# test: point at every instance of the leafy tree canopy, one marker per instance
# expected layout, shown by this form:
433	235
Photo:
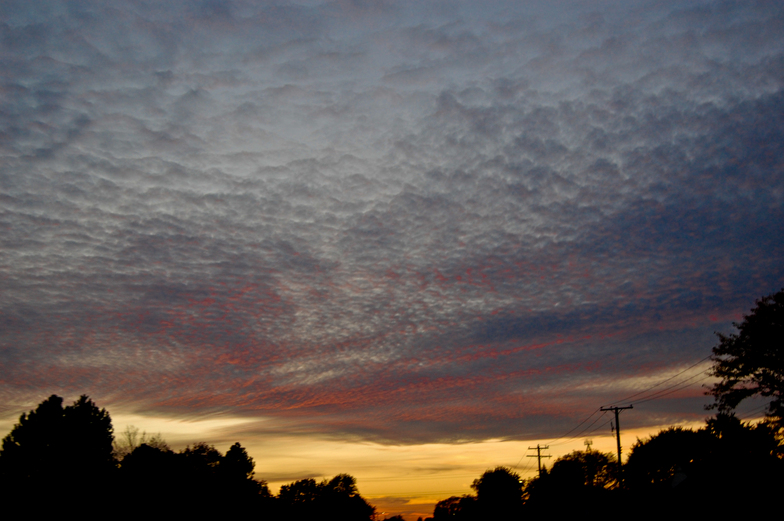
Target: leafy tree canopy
751	362
52	435
589	468
59	449
456	508
237	464
307	499
655	461
499	484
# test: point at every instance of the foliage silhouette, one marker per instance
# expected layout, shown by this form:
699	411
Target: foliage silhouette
236	467
666	459
585	477
61	450
337	498
190	478
588	468
65	453
462	508
751	362
679	467
499	493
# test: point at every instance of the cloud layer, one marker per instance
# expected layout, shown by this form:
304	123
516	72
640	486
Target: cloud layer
383	220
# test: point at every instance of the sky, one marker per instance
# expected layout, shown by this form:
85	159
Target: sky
403	240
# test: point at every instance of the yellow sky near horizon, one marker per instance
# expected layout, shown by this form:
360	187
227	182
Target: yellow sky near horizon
405	479
394	478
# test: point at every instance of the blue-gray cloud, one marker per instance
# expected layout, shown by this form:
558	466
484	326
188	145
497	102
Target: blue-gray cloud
388	220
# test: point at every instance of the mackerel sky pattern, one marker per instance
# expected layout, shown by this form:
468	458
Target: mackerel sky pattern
391	221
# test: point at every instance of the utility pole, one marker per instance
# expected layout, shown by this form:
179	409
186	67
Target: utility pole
618	435
539	455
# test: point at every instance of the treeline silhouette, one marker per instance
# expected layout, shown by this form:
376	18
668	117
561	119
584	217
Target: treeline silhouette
59	459
724	469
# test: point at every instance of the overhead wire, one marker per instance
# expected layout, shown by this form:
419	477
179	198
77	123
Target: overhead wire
679	385
576	427
627	398
675	388
578	435
753	412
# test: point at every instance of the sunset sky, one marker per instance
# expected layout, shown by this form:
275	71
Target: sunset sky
404	240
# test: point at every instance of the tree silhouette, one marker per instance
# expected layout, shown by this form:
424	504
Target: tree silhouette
236	478
337	498
751	362
463	508
499	493
667	459
727	459
236	464
89	438
585	477
301	493
34	443
61	450
588	468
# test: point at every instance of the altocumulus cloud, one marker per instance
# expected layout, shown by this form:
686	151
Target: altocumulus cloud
383	220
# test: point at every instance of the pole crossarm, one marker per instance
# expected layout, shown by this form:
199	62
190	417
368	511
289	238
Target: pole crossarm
539	455
618	435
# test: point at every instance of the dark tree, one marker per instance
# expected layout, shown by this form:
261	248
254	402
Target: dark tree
342	485
237	464
58	450
337	498
236	476
145	473
749	457
202	456
188	479
89	437
737	464
300	493
584	477
499	493
199	470
665	460
456	508
751	362
33	445
341	498
589	468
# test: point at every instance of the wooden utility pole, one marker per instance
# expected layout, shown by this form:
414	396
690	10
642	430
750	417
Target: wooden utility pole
618	435
539	455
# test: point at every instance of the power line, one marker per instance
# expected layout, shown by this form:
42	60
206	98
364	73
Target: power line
753	412
582	431
655	396
605	424
675	388
627	398
575	428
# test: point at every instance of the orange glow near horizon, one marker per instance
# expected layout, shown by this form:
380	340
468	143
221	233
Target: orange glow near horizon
397	479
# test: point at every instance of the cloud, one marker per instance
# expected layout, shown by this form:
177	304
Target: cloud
391	222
